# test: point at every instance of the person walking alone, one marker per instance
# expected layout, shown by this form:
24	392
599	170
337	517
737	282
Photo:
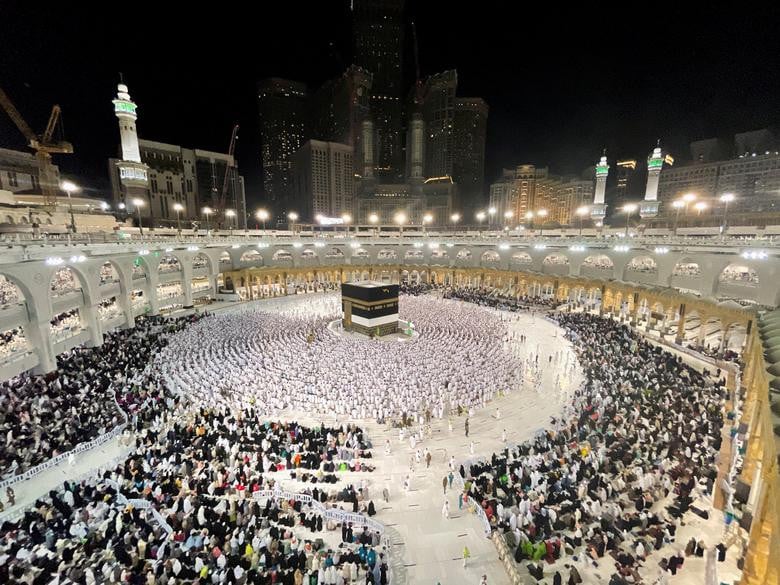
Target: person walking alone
467	427
466	555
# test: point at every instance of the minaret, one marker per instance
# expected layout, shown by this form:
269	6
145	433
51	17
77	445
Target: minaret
133	174
416	141
599	209
655	162
367	130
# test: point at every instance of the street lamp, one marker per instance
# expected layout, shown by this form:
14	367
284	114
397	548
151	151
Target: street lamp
139	203
373	219
70	187
582	212
699	207
629	208
508	215
293	217
455	218
207	212
346	218
178	208
491	213
262	215
678	204
541	213
230	214
480	218
726	198
400	219
427	218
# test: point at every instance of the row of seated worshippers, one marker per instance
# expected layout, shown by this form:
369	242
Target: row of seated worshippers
199	474
42	416
490	297
619	468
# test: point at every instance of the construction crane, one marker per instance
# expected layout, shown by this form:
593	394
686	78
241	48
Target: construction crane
43	146
231	153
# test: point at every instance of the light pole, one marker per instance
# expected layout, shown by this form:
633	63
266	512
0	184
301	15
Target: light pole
230	214
178	208
629	208
582	212
373	219
687	199
726	198
491	213
207	213
400	219
293	217
139	203
346	218
541	213
427	218
508	215
480	218
455	218
699	207
678	205
262	215
70	187
529	217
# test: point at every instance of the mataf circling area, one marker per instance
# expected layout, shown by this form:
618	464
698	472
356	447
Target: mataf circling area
291	360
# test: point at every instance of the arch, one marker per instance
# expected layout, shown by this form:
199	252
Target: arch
252	256
9	219
521	259
413	254
65	280
598	262
282	256
386	254
333	253
201	260
439	254
360	253
140	268
739	274
686	267
490	257
555	260
308	254
169	263
463	255
108	273
224	258
169	290
643	264
10	292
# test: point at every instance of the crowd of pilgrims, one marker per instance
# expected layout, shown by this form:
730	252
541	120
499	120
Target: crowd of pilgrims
199	469
43	416
294	360
483	296
611	480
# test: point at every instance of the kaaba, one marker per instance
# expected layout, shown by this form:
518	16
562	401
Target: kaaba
370	308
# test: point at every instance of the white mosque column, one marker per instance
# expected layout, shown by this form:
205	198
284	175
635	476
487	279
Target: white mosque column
153	280
91	322
39	335
127	310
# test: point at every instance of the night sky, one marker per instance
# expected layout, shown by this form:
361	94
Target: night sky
562	83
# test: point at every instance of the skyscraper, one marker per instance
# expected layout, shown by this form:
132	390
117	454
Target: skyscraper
324	179
283	108
339	108
378	34
468	159
438	110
